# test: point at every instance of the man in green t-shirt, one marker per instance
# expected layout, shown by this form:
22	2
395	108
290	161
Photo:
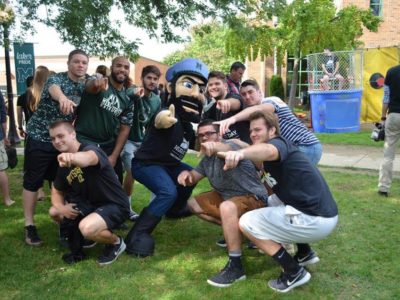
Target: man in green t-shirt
145	108
105	113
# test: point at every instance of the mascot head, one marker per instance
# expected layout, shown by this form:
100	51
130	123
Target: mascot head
187	81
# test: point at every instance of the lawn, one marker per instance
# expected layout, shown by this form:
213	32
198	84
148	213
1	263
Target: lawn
358	261
361	138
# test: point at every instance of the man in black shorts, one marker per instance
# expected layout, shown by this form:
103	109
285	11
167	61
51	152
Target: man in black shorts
87	193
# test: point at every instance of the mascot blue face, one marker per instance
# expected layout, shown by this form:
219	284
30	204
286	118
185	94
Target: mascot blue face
187	81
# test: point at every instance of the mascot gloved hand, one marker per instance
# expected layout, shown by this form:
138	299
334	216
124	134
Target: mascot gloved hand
165	118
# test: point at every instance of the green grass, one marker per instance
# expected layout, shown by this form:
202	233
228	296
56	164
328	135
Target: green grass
358	261
362	138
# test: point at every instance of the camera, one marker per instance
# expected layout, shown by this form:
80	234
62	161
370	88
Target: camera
378	133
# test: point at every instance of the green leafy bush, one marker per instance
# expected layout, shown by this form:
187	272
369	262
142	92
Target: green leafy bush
276	87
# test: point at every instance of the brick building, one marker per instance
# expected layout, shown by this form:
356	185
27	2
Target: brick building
388	35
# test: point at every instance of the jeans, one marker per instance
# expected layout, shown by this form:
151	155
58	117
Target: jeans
313	152
162	182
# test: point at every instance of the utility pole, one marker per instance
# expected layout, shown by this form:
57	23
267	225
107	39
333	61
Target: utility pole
12	130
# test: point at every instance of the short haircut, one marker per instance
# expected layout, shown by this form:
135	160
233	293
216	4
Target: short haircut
207	122
270	119
237	65
75	52
68	125
151	69
217	74
118	58
250	82
103	70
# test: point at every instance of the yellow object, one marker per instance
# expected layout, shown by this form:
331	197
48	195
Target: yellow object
375	61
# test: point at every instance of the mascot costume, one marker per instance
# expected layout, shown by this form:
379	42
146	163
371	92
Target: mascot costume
157	163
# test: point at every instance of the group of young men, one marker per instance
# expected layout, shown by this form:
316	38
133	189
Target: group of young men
259	159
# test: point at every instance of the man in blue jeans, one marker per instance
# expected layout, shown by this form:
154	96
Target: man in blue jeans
157	163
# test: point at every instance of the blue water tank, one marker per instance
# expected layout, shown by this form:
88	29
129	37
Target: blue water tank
335	111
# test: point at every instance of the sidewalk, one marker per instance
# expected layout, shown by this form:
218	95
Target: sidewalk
361	157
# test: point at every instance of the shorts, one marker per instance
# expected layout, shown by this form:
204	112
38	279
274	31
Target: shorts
113	214
285	224
127	153
3	157
211	201
40	163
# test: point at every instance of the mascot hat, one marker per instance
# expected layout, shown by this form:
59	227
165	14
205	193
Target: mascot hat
190	66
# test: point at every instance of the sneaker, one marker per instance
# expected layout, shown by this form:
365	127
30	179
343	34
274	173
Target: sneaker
228	275
384	194
71	258
221	243
133	216
287	281
31	236
308	259
111	253
87	244
251	245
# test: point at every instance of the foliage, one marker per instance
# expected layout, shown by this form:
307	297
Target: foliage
95	25
276	87
208	44
186	254
302	27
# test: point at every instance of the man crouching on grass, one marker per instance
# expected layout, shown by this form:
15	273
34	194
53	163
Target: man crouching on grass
87	194
307	212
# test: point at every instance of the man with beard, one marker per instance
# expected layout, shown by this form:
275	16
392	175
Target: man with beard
145	107
157	163
61	94
105	114
223	105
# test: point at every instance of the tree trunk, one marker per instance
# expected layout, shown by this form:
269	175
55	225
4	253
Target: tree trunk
294	82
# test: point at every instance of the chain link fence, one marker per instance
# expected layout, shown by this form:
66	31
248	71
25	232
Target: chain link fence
335	71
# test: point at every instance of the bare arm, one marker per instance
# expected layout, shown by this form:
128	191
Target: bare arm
119	143
189	178
66	105
57	200
256	153
81	159
19	121
243	115
324	69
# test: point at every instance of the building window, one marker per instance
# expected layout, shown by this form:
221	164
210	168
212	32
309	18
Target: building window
376	7
302	84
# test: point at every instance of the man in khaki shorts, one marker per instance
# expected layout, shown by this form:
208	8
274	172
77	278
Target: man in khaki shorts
233	194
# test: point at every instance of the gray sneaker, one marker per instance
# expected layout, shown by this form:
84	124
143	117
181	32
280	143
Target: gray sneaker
228	275
286	281
111	253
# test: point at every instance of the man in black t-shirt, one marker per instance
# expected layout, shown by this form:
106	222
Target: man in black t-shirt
302	210
330	66
222	105
87	193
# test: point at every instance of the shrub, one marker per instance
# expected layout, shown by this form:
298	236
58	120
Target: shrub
276	87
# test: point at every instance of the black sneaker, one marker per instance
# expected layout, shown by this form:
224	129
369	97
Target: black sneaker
31	236
221	243
71	258
287	281
251	245
308	259
111	253
88	244
384	194
133	216
228	275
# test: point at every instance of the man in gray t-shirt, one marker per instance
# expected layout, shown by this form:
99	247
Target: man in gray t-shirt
234	192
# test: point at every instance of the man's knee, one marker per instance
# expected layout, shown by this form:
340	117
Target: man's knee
228	208
88	228
55	214
194	206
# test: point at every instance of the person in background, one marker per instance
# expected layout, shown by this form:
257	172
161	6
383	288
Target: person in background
3	154
391	120
235	77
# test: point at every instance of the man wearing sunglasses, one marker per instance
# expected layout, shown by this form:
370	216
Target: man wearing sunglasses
233	194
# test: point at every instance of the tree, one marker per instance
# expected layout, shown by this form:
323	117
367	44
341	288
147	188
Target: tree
208	44
304	26
92	25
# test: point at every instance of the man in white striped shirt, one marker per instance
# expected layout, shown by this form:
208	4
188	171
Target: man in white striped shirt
291	128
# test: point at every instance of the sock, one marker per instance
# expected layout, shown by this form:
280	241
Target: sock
119	241
287	262
303	249
236	258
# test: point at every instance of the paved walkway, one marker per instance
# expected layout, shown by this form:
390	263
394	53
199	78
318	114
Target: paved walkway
361	157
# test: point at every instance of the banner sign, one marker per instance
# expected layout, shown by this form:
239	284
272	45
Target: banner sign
24	64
